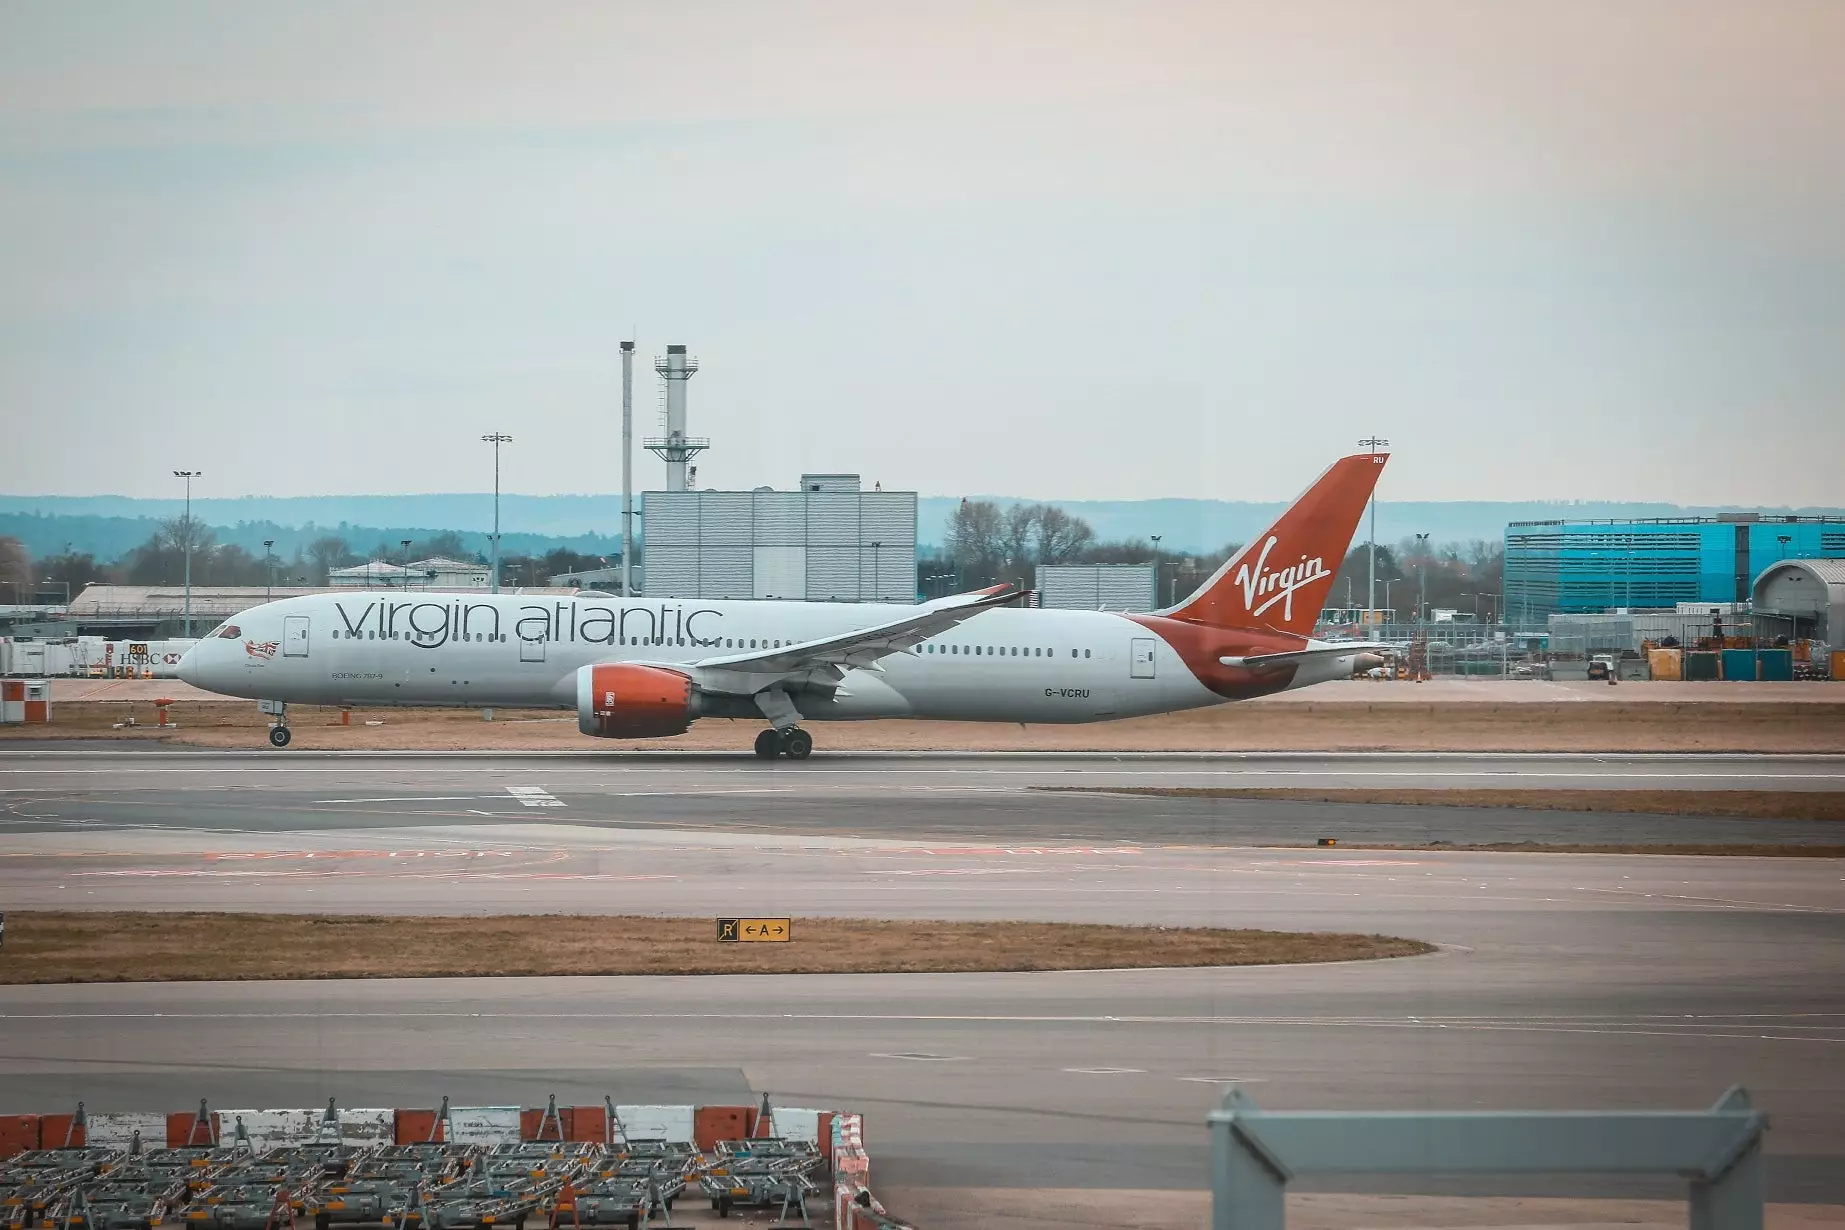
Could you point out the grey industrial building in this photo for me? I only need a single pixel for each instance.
(828, 541)
(1097, 587)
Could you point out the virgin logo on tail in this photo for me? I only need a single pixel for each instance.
(1273, 587)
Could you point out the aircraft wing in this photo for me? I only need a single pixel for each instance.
(1256, 661)
(826, 661)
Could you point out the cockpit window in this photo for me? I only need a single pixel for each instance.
(230, 632)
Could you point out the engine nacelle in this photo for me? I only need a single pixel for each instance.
(626, 700)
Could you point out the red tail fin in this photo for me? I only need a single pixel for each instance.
(1281, 578)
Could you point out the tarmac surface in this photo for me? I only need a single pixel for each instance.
(1564, 980)
(1337, 691)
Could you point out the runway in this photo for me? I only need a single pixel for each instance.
(991, 798)
(1564, 980)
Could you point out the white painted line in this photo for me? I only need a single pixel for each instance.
(1106, 1071)
(407, 798)
(534, 796)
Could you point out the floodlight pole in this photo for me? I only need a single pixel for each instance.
(1422, 577)
(188, 476)
(1373, 443)
(496, 439)
(268, 570)
(627, 469)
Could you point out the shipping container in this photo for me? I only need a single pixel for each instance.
(1665, 664)
(1702, 665)
(1739, 665)
(1775, 664)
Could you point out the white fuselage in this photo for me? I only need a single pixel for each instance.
(474, 650)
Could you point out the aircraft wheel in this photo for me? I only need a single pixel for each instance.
(769, 744)
(799, 744)
(279, 735)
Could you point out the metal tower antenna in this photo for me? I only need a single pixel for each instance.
(675, 448)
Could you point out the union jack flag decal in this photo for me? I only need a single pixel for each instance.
(261, 649)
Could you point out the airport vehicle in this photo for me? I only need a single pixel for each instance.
(643, 668)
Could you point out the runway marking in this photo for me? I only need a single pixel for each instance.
(534, 796)
(412, 798)
(967, 871)
(917, 1057)
(1107, 1071)
(220, 855)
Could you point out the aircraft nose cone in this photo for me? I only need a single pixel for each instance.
(188, 668)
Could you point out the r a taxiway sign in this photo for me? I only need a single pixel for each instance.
(755, 930)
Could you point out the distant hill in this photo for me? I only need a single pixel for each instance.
(107, 525)
(110, 537)
(1204, 525)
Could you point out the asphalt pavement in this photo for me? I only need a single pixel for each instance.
(1563, 981)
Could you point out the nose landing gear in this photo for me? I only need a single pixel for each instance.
(793, 742)
(278, 733)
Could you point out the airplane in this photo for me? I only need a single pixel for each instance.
(636, 668)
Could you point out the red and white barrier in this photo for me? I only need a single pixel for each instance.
(657, 1122)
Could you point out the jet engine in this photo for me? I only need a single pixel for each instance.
(626, 700)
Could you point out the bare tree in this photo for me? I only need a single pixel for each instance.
(329, 553)
(445, 544)
(976, 540)
(15, 571)
(72, 569)
(1062, 537)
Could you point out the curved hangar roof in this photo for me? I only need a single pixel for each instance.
(1808, 589)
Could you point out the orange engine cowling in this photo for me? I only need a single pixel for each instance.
(625, 700)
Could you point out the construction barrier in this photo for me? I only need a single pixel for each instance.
(25, 700)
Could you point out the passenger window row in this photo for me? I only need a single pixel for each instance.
(371, 634)
(1002, 651)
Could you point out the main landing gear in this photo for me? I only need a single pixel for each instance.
(793, 742)
(279, 735)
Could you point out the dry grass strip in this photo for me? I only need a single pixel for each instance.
(1745, 804)
(1698, 849)
(148, 946)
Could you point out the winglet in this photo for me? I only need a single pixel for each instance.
(992, 595)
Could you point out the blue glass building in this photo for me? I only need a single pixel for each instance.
(1559, 567)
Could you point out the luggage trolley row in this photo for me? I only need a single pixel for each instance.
(398, 1187)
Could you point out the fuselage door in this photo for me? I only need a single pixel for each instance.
(1141, 657)
(294, 636)
(531, 651)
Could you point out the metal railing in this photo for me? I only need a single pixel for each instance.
(1255, 1153)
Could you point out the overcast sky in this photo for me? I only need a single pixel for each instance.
(1550, 250)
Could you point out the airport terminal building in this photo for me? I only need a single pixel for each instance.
(1567, 567)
